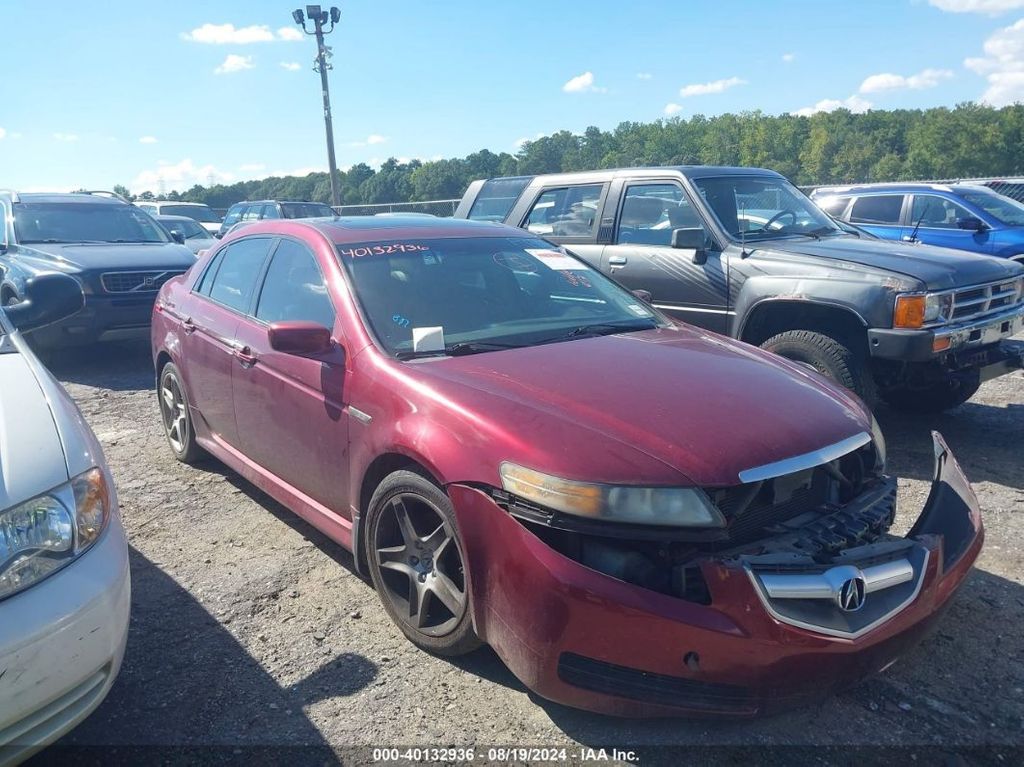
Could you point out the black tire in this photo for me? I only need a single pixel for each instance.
(941, 396)
(830, 357)
(422, 561)
(176, 417)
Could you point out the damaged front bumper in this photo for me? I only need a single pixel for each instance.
(777, 630)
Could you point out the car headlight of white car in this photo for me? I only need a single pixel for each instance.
(45, 533)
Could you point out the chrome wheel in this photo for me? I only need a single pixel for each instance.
(173, 410)
(420, 565)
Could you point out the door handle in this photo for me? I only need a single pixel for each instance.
(188, 326)
(243, 354)
(617, 261)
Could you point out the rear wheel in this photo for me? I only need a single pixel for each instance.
(829, 356)
(416, 562)
(176, 417)
(942, 395)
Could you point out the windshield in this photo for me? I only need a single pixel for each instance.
(58, 222)
(1009, 212)
(195, 212)
(190, 230)
(306, 210)
(437, 296)
(763, 208)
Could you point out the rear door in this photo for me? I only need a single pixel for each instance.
(880, 214)
(289, 407)
(210, 318)
(568, 214)
(641, 255)
(938, 216)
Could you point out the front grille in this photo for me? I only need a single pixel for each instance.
(136, 282)
(648, 687)
(980, 300)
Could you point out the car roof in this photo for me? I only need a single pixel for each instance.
(69, 197)
(690, 171)
(168, 217)
(272, 202)
(174, 202)
(353, 229)
(900, 188)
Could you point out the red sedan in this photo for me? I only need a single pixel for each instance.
(641, 518)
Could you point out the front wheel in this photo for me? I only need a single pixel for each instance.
(416, 562)
(939, 396)
(829, 356)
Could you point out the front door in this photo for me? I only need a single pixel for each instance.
(939, 217)
(642, 257)
(289, 407)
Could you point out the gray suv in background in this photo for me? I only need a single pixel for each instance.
(118, 253)
(741, 251)
(258, 210)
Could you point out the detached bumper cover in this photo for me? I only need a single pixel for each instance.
(587, 640)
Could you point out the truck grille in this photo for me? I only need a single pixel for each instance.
(136, 282)
(979, 300)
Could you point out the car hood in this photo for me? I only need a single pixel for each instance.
(32, 458)
(937, 268)
(92, 256)
(661, 406)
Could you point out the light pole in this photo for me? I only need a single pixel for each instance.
(319, 19)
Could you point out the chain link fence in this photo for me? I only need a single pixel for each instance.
(440, 208)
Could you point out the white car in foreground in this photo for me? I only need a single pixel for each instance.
(64, 583)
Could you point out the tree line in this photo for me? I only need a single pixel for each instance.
(826, 148)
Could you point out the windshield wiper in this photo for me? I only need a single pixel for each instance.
(603, 329)
(457, 349)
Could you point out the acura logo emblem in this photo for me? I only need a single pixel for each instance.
(850, 596)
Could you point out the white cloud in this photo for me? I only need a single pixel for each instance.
(234, 63)
(148, 140)
(854, 103)
(227, 34)
(519, 143)
(644, 75)
(252, 167)
(789, 57)
(927, 78)
(180, 175)
(372, 139)
(582, 84)
(67, 137)
(291, 66)
(1002, 66)
(673, 109)
(991, 7)
(291, 34)
(715, 86)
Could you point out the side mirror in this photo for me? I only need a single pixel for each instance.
(48, 298)
(692, 238)
(299, 337)
(218, 235)
(178, 237)
(644, 295)
(971, 223)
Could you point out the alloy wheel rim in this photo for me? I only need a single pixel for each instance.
(172, 408)
(420, 565)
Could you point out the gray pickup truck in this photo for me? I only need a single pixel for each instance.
(741, 251)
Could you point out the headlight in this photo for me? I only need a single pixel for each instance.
(915, 311)
(676, 506)
(42, 535)
(879, 439)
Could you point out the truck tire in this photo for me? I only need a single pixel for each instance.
(936, 398)
(830, 357)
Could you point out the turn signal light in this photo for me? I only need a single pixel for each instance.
(909, 312)
(941, 344)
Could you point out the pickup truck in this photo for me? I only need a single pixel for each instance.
(742, 252)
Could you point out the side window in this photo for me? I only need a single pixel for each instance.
(497, 197)
(239, 269)
(294, 288)
(149, 208)
(233, 216)
(566, 212)
(834, 206)
(203, 285)
(270, 211)
(877, 209)
(937, 212)
(651, 211)
(252, 213)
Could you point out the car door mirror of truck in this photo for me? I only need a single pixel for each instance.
(692, 238)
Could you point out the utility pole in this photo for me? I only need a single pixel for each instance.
(319, 19)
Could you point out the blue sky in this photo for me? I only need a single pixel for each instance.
(97, 94)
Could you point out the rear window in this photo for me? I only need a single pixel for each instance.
(497, 197)
(306, 210)
(877, 209)
(195, 212)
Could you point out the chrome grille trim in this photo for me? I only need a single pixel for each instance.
(987, 298)
(137, 281)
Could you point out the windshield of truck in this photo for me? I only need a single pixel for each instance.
(762, 208)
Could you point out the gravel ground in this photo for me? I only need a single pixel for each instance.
(249, 628)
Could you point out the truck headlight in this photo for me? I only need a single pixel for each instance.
(42, 535)
(914, 311)
(675, 506)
